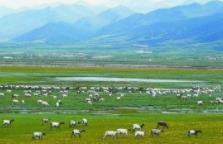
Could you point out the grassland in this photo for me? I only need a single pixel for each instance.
(111, 114)
(35, 73)
(136, 101)
(21, 131)
(46, 76)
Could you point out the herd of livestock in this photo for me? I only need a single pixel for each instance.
(136, 129)
(19, 93)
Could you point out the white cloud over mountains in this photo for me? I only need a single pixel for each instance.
(138, 5)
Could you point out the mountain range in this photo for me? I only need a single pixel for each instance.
(16, 24)
(197, 23)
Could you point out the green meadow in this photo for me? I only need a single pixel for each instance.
(111, 113)
(36, 73)
(21, 131)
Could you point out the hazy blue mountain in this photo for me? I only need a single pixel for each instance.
(197, 23)
(5, 11)
(82, 29)
(164, 15)
(202, 29)
(196, 10)
(53, 33)
(196, 30)
(163, 24)
(92, 24)
(19, 23)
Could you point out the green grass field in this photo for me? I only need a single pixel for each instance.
(35, 73)
(21, 131)
(140, 102)
(111, 113)
(46, 76)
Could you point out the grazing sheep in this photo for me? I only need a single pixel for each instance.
(137, 126)
(64, 95)
(56, 124)
(77, 132)
(219, 100)
(38, 135)
(193, 132)
(155, 132)
(42, 102)
(84, 121)
(7, 122)
(122, 131)
(73, 123)
(15, 101)
(139, 134)
(28, 95)
(45, 103)
(58, 103)
(45, 120)
(200, 102)
(90, 102)
(14, 96)
(110, 134)
(162, 124)
(195, 95)
(8, 91)
(36, 94)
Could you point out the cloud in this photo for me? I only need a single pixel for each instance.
(138, 5)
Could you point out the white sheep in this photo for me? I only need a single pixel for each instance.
(15, 101)
(137, 126)
(38, 135)
(15, 95)
(8, 91)
(200, 102)
(28, 95)
(77, 132)
(73, 123)
(139, 134)
(85, 121)
(110, 134)
(64, 95)
(155, 132)
(193, 132)
(7, 122)
(56, 124)
(122, 131)
(219, 100)
(58, 103)
(42, 102)
(45, 120)
(45, 103)
(90, 102)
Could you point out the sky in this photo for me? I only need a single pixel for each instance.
(137, 5)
